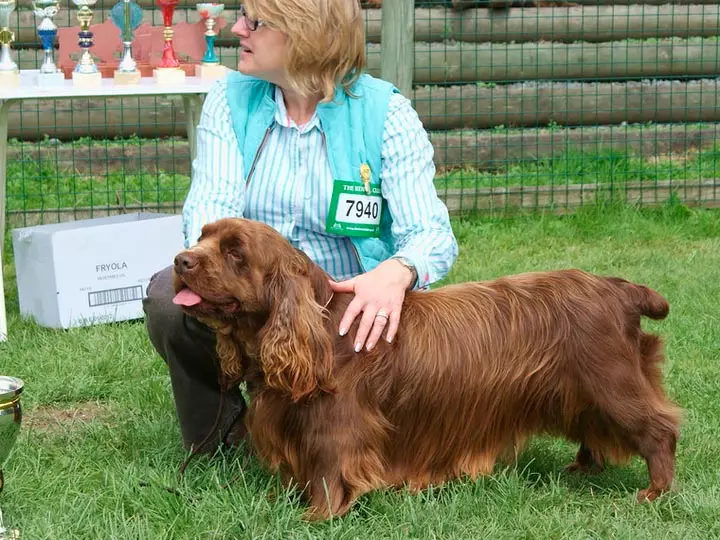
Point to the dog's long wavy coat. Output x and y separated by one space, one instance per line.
475 369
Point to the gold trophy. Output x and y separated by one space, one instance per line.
9 72
210 67
86 72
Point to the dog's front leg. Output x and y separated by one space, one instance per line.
327 497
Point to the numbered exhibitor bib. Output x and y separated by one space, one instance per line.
354 212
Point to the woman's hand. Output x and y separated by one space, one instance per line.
379 295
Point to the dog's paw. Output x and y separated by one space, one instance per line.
648 495
576 467
272 496
583 468
313 514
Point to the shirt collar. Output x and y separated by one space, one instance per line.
283 118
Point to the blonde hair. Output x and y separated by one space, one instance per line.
326 41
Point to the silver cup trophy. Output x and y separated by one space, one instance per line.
9 72
47 30
127 16
10 420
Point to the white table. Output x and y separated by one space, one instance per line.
191 91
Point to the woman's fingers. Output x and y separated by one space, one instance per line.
382 317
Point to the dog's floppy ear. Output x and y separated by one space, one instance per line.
295 348
228 353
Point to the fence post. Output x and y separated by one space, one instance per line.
397 37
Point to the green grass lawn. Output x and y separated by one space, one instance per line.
43 185
100 445
576 167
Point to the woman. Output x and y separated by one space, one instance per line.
335 160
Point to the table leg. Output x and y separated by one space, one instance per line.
4 107
193 107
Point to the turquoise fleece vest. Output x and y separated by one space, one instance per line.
353 130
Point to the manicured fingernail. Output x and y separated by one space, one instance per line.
389 340
343 331
370 346
358 347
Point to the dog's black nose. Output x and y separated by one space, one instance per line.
184 262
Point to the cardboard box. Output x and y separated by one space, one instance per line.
92 271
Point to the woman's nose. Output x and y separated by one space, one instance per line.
240 27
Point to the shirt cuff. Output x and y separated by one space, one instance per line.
421 267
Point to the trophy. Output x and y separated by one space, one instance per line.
168 70
47 30
10 420
86 72
9 72
210 67
127 16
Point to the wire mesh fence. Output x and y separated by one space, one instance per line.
529 106
557 105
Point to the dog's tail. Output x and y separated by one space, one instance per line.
648 302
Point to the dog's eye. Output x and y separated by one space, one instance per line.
232 250
234 254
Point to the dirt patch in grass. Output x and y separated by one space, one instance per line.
55 419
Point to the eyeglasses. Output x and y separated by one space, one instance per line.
251 23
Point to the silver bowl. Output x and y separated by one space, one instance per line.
10 417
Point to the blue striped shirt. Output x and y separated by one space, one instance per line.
291 187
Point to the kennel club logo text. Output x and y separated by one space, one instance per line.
111 270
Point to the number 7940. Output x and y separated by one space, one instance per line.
361 208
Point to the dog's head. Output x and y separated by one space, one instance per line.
242 269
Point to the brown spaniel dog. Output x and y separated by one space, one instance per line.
475 369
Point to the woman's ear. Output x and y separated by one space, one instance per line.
296 350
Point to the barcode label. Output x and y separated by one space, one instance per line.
115 296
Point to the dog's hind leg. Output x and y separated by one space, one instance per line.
585 460
657 446
638 421
657 442
590 429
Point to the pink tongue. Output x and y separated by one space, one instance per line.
186 298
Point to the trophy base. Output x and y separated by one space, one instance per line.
126 77
50 79
87 80
169 76
210 71
12 534
9 78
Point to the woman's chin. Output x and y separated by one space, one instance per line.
245 67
